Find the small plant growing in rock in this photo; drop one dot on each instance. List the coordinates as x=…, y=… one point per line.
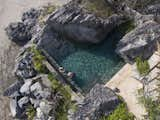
x=142, y=66
x=48, y=9
x=99, y=7
x=38, y=60
x=30, y=112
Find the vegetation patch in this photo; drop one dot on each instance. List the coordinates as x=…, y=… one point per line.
x=126, y=27
x=152, y=107
x=65, y=103
x=120, y=113
x=38, y=60
x=142, y=66
x=99, y=7
x=31, y=112
x=50, y=8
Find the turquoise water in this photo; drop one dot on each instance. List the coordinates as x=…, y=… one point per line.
x=94, y=63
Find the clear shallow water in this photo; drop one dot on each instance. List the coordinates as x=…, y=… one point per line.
x=94, y=63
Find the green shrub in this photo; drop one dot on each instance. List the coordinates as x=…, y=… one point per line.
x=142, y=66
x=152, y=107
x=38, y=60
x=120, y=113
x=49, y=9
x=30, y=112
x=65, y=103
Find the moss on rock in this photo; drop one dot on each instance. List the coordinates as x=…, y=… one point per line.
x=99, y=7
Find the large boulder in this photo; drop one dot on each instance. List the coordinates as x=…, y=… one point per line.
x=16, y=111
x=25, y=89
x=153, y=9
x=18, y=32
x=13, y=90
x=24, y=68
x=75, y=24
x=23, y=102
x=99, y=101
x=54, y=44
x=22, y=32
x=141, y=42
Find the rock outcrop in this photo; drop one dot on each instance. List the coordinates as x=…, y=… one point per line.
x=76, y=24
x=24, y=68
x=55, y=45
x=141, y=42
x=153, y=9
x=99, y=101
x=21, y=32
x=32, y=92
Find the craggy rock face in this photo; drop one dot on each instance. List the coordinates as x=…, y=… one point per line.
x=21, y=32
x=140, y=42
x=76, y=24
x=55, y=45
x=24, y=68
x=18, y=32
x=99, y=100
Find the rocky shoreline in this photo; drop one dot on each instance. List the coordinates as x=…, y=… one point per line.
x=53, y=34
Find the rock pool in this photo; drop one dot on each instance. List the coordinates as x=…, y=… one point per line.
x=94, y=63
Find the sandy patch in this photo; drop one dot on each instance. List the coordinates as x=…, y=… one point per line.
x=128, y=87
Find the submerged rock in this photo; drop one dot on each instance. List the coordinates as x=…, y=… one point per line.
x=99, y=101
x=141, y=42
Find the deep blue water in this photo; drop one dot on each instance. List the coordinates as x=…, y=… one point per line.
x=94, y=63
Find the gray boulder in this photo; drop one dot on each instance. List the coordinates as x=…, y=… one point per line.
x=36, y=87
x=76, y=24
x=153, y=9
x=13, y=90
x=35, y=90
x=45, y=94
x=99, y=101
x=18, y=33
x=141, y=42
x=46, y=107
x=44, y=110
x=30, y=14
x=23, y=101
x=15, y=109
x=25, y=89
x=35, y=102
x=58, y=47
x=21, y=32
x=24, y=68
